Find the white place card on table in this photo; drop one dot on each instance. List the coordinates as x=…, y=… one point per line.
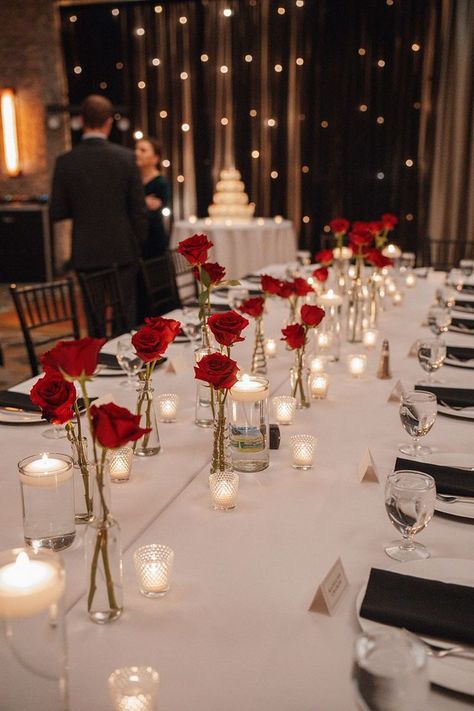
x=331, y=590
x=396, y=393
x=367, y=471
x=104, y=400
x=413, y=352
x=177, y=364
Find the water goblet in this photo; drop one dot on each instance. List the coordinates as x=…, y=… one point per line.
x=456, y=279
x=191, y=324
x=418, y=410
x=439, y=319
x=409, y=501
x=431, y=356
x=236, y=297
x=128, y=361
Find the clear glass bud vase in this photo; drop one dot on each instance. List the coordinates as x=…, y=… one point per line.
x=84, y=473
x=221, y=457
x=299, y=383
x=259, y=359
x=149, y=444
x=357, y=310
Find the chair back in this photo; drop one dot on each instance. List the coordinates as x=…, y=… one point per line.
x=159, y=282
x=446, y=253
x=41, y=306
x=186, y=283
x=103, y=303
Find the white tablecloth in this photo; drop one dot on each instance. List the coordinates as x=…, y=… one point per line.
x=245, y=247
x=234, y=632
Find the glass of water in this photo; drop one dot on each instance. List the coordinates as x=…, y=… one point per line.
x=418, y=410
x=439, y=319
x=191, y=324
x=128, y=361
x=409, y=501
x=431, y=356
x=456, y=279
x=389, y=672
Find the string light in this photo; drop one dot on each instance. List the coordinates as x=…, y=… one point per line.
x=73, y=18
x=227, y=12
x=409, y=163
x=163, y=114
x=204, y=58
x=381, y=63
x=115, y=12
x=103, y=85
x=253, y=113
x=138, y=135
x=255, y=154
x=278, y=68
x=224, y=121
x=224, y=69
x=380, y=176
x=389, y=2
x=185, y=127
x=140, y=31
x=363, y=108
x=158, y=9
x=409, y=217
x=324, y=124
x=306, y=219
x=77, y=69
x=299, y=61
x=156, y=62
x=417, y=105
x=299, y=3
x=183, y=20
x=361, y=51
x=415, y=47
x=326, y=228
x=380, y=119
x=248, y=57
x=119, y=65
x=305, y=168
x=281, y=10
x=166, y=163
x=166, y=212
x=180, y=178
x=183, y=75
x=141, y=84
x=274, y=174
x=271, y=122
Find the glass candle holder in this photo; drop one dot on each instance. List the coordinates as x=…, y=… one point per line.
x=224, y=488
x=47, y=494
x=410, y=280
x=134, y=688
x=284, y=408
x=357, y=364
x=167, y=407
x=120, y=464
x=319, y=385
x=203, y=416
x=318, y=364
x=390, y=287
x=153, y=565
x=302, y=447
x=397, y=298
x=369, y=337
x=248, y=422
x=34, y=675
x=270, y=347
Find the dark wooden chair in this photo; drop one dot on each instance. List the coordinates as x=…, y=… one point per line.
x=186, y=283
x=40, y=306
x=103, y=303
x=446, y=253
x=159, y=285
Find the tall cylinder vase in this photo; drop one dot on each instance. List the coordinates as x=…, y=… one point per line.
x=149, y=444
x=357, y=310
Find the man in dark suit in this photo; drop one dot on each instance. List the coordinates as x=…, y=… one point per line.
x=97, y=184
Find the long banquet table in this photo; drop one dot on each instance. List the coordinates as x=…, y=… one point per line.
x=234, y=632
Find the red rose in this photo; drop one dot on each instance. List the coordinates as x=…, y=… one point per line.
x=214, y=271
x=389, y=221
x=301, y=287
x=169, y=327
x=339, y=226
x=218, y=370
x=311, y=315
x=360, y=238
x=287, y=289
x=321, y=274
x=150, y=343
x=270, y=285
x=115, y=426
x=360, y=226
x=227, y=327
x=74, y=359
x=253, y=307
x=195, y=248
x=55, y=396
x=294, y=335
x=325, y=256
x=375, y=227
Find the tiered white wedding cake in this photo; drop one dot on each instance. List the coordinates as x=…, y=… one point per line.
x=230, y=199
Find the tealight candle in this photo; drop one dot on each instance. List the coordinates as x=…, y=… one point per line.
x=249, y=389
x=303, y=447
x=318, y=385
x=270, y=347
x=318, y=364
x=323, y=340
x=410, y=280
x=330, y=298
x=391, y=287
x=357, y=364
x=392, y=251
x=369, y=337
x=153, y=566
x=351, y=272
x=342, y=252
x=397, y=298
x=29, y=585
x=120, y=463
x=167, y=407
x=224, y=487
x=45, y=471
x=134, y=688
x=284, y=407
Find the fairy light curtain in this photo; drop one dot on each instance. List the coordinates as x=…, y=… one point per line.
x=316, y=102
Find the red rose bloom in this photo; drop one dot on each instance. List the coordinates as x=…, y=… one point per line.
x=321, y=274
x=360, y=238
x=339, y=226
x=214, y=271
x=294, y=335
x=389, y=221
x=151, y=342
x=218, y=370
x=115, y=426
x=360, y=226
x=375, y=227
x=325, y=256
x=287, y=289
x=253, y=307
x=195, y=248
x=227, y=327
x=74, y=359
x=169, y=327
x=301, y=287
x=55, y=396
x=311, y=315
x=270, y=285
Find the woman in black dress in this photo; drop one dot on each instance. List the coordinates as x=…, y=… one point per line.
x=157, y=195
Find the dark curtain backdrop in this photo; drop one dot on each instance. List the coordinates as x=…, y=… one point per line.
x=346, y=103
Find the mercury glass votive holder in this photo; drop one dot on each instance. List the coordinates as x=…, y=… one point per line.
x=302, y=446
x=357, y=364
x=319, y=385
x=153, y=566
x=120, y=464
x=168, y=407
x=134, y=688
x=224, y=488
x=284, y=408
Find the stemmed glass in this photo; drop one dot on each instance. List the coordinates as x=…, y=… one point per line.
x=54, y=432
x=409, y=500
x=128, y=361
x=431, y=356
x=191, y=324
x=418, y=410
x=456, y=279
x=439, y=319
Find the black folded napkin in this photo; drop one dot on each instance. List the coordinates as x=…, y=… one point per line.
x=224, y=292
x=425, y=607
x=449, y=480
x=467, y=289
x=464, y=324
x=9, y=398
x=467, y=306
x=460, y=352
x=452, y=397
x=214, y=307
x=109, y=360
x=252, y=277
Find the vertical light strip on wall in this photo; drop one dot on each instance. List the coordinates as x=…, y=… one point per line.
x=9, y=131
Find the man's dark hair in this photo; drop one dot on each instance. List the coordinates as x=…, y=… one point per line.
x=96, y=110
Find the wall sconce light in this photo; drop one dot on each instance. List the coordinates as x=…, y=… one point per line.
x=9, y=133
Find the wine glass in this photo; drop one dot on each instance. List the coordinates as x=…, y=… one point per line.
x=418, y=410
x=456, y=279
x=191, y=324
x=409, y=500
x=128, y=361
x=439, y=319
x=431, y=356
x=236, y=297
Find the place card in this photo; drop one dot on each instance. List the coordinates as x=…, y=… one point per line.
x=177, y=364
x=103, y=399
x=367, y=471
x=396, y=393
x=413, y=352
x=331, y=590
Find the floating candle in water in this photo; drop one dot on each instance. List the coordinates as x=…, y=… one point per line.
x=28, y=586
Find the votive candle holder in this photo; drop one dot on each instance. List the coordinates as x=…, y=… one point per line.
x=302, y=446
x=120, y=464
x=284, y=407
x=270, y=347
x=134, y=688
x=357, y=364
x=153, y=566
x=369, y=337
x=397, y=298
x=410, y=280
x=168, y=407
x=224, y=488
x=319, y=385
x=318, y=364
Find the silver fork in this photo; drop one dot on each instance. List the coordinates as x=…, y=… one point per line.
x=434, y=650
x=447, y=499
